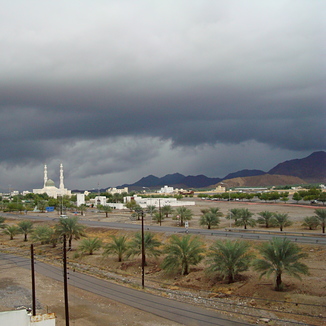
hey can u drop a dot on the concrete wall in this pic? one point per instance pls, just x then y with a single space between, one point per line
22 318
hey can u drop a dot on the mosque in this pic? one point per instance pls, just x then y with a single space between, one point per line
49 187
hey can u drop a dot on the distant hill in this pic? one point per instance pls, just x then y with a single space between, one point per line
311 168
265 180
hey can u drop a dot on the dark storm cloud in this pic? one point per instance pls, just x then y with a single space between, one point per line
85 78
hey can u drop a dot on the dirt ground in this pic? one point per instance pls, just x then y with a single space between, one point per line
254 296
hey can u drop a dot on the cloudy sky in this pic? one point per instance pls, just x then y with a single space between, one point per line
118 90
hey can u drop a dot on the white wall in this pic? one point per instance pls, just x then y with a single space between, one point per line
22 318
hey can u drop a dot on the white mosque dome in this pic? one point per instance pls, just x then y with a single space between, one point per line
49 183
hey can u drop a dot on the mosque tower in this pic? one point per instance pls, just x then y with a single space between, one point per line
61 177
45 175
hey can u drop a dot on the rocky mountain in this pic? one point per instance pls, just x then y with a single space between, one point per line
311 168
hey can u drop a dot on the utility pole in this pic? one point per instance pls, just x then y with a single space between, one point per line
33 281
65 280
142 251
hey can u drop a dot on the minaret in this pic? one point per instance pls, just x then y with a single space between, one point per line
61 177
45 174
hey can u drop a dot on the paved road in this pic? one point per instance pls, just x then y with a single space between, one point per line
167 308
248 234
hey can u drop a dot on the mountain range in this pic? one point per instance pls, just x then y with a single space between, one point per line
311 169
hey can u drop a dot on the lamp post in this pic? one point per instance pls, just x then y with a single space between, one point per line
142 251
229 200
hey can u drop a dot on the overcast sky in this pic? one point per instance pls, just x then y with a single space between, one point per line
118 90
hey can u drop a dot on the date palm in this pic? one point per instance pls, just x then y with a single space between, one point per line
266 218
183 213
11 230
229 258
43 233
2 219
118 246
25 227
210 217
106 209
321 215
71 228
243 218
280 256
311 222
182 252
89 245
151 245
167 210
282 220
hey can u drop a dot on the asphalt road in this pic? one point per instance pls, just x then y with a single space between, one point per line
176 311
250 234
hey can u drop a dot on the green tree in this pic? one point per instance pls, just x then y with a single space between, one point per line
210 217
167 210
105 209
322 197
151 209
82 209
41 205
158 217
183 214
118 246
89 245
282 220
296 196
266 218
280 256
182 252
229 258
44 234
311 222
150 243
11 230
321 215
71 228
25 228
244 218
2 220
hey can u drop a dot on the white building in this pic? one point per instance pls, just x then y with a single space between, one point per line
166 190
23 318
113 191
80 199
157 202
49 187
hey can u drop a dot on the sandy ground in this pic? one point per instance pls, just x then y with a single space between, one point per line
88 309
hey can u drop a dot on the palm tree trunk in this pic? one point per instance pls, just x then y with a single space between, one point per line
25 238
278 282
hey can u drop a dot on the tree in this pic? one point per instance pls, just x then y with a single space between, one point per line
280 256
25 227
11 230
89 245
182 252
71 228
151 209
183 214
158 217
210 217
44 234
2 219
82 209
118 246
282 220
41 205
266 218
244 218
321 215
151 245
106 209
322 197
311 222
167 210
296 196
229 258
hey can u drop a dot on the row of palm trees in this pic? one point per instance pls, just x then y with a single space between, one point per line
226 259
241 216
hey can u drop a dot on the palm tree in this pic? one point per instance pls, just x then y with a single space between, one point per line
151 245
11 230
118 246
106 209
71 228
2 219
282 220
151 209
311 222
243 217
25 228
183 213
210 217
166 210
280 256
90 245
43 233
321 215
82 209
266 218
229 258
182 252
41 205
158 217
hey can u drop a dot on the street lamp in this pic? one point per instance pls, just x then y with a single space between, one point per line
142 251
229 200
